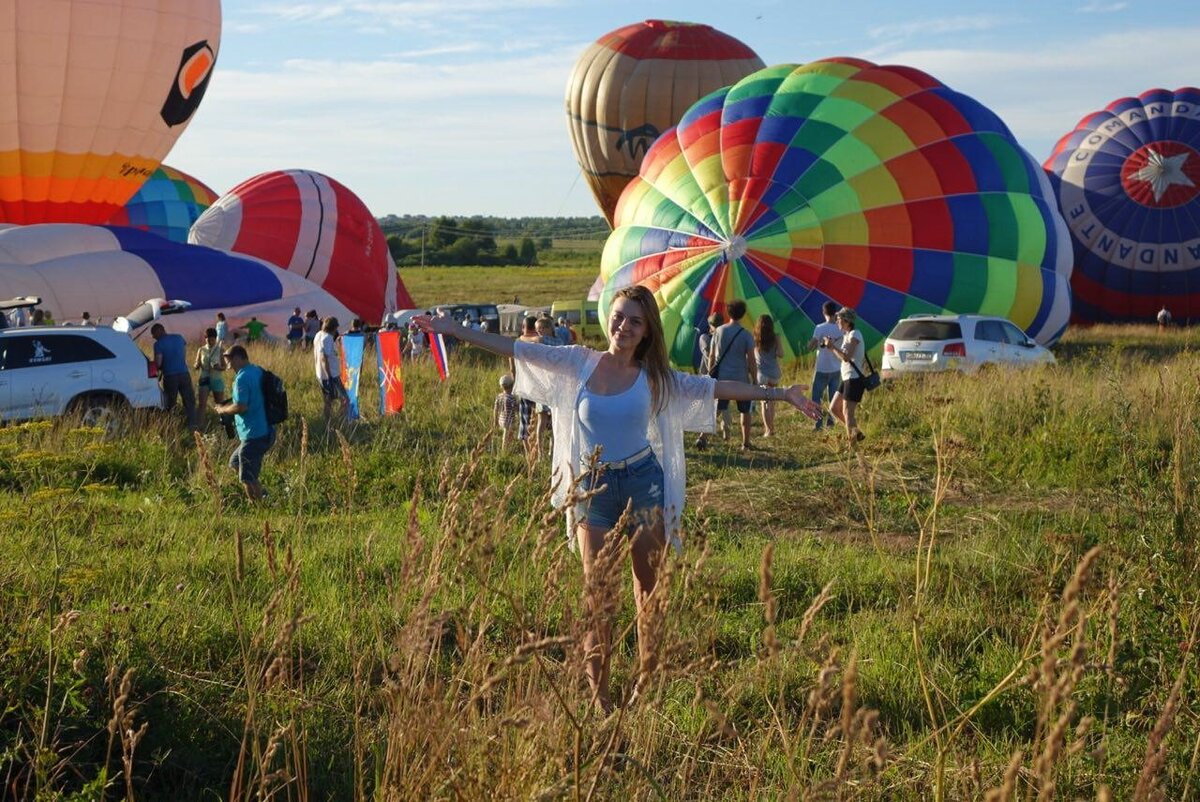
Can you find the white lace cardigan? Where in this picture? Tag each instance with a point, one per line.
(555, 376)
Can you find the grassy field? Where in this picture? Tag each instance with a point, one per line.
(541, 284)
(995, 597)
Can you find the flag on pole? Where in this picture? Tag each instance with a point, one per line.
(352, 359)
(437, 347)
(391, 378)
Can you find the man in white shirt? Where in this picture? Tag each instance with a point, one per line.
(329, 366)
(827, 373)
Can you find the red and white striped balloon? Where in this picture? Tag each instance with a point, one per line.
(308, 223)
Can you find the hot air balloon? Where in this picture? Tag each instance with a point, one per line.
(311, 225)
(874, 187)
(94, 93)
(1128, 184)
(107, 271)
(167, 204)
(632, 84)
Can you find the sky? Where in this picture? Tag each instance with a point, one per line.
(457, 106)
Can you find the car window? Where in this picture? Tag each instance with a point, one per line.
(593, 317)
(1013, 334)
(927, 330)
(989, 331)
(35, 350)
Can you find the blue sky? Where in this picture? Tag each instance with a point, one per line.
(456, 106)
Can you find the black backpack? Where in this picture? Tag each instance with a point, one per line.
(274, 394)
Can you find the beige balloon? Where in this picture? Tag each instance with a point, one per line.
(636, 82)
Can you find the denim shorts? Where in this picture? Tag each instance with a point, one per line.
(247, 458)
(641, 481)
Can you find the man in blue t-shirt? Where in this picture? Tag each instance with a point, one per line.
(170, 356)
(255, 435)
(295, 329)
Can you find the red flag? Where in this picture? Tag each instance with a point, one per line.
(391, 378)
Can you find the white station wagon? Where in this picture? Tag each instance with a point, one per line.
(90, 371)
(930, 343)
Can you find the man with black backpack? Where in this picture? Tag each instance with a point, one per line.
(252, 417)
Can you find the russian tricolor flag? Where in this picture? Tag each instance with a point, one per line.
(437, 348)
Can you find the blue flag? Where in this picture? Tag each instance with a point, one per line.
(352, 359)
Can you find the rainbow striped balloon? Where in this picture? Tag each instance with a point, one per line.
(167, 204)
(875, 187)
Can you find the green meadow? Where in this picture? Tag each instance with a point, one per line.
(994, 597)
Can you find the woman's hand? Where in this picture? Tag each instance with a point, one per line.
(444, 324)
(797, 396)
(441, 324)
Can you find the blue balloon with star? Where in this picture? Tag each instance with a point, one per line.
(1128, 183)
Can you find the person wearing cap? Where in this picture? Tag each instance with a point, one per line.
(255, 435)
(329, 366)
(849, 350)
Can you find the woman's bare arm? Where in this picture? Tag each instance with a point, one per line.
(796, 395)
(496, 343)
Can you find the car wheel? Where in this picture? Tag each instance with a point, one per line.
(101, 412)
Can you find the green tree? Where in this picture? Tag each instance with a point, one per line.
(528, 252)
(510, 255)
(444, 232)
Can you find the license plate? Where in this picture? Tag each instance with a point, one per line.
(917, 356)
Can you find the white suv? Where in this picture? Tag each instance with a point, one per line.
(90, 371)
(928, 343)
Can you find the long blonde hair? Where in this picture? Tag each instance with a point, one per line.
(652, 350)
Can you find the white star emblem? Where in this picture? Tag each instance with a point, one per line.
(1163, 172)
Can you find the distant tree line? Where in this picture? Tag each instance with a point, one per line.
(416, 239)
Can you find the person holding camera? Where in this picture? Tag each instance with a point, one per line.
(210, 361)
(249, 412)
(849, 350)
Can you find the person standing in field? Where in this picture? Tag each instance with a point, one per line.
(732, 355)
(768, 350)
(620, 417)
(329, 367)
(255, 435)
(312, 325)
(849, 350)
(254, 329)
(1163, 318)
(295, 329)
(704, 341)
(222, 328)
(526, 408)
(504, 410)
(210, 361)
(546, 336)
(827, 372)
(170, 356)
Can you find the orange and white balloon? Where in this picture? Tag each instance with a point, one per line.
(93, 94)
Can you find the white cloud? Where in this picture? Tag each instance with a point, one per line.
(1102, 8)
(936, 26)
